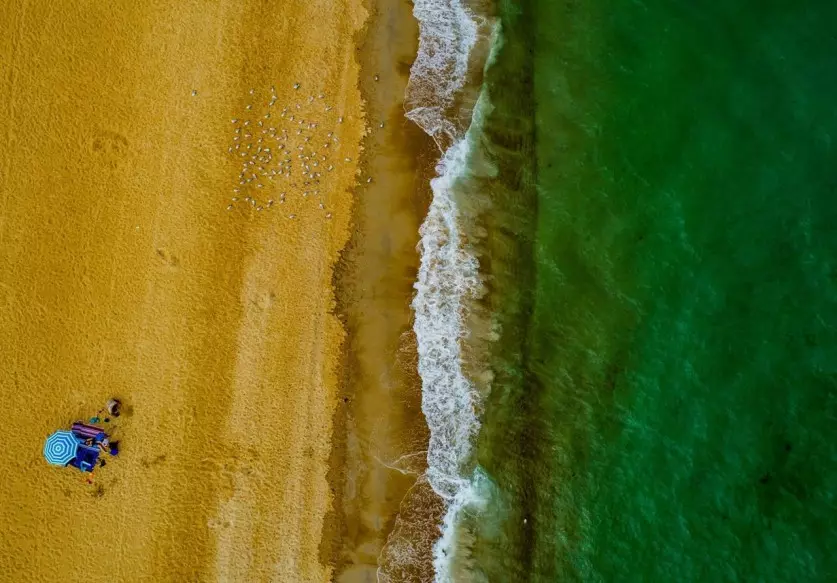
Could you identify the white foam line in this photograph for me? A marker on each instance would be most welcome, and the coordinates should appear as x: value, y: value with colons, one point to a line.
x: 448, y: 276
x: 448, y: 279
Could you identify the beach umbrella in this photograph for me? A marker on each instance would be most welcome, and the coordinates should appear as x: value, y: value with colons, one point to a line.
x: 60, y: 447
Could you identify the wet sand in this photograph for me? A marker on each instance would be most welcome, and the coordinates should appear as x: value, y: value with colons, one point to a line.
x: 380, y: 432
x: 123, y: 273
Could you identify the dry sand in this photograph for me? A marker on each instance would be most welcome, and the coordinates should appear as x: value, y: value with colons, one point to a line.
x: 123, y: 273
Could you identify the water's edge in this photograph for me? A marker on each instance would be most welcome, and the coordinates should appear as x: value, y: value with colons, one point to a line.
x: 441, y: 98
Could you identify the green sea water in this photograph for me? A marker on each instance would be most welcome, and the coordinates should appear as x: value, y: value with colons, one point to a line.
x: 663, y: 261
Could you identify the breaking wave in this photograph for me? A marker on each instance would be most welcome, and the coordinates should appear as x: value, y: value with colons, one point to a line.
x: 448, y: 278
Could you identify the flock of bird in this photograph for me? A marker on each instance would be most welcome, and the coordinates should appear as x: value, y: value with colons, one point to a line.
x: 286, y: 152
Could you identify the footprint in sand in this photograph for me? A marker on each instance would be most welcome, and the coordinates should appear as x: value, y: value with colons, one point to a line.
x: 169, y: 260
x: 111, y: 148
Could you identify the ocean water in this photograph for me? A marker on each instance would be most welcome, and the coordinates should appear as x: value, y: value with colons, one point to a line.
x: 627, y: 305
x: 660, y: 264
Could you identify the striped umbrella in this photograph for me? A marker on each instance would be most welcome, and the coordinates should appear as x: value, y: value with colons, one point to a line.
x: 60, y: 447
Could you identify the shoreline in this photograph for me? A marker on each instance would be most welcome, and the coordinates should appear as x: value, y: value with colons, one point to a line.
x: 380, y: 438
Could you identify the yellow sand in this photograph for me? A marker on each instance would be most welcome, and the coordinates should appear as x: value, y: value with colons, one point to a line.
x: 123, y: 273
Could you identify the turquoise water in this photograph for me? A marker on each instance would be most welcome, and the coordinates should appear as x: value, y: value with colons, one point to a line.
x: 662, y: 262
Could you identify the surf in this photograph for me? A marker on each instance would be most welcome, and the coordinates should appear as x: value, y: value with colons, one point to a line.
x: 448, y: 283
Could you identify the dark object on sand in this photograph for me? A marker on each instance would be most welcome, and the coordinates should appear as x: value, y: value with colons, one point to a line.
x: 113, y: 407
x: 86, y: 458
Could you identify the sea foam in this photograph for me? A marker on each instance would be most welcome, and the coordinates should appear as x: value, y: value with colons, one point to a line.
x: 447, y: 35
x: 448, y: 278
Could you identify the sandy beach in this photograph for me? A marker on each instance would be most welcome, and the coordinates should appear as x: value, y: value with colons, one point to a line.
x: 123, y: 272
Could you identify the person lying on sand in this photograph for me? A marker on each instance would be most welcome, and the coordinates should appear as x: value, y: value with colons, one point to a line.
x: 110, y: 448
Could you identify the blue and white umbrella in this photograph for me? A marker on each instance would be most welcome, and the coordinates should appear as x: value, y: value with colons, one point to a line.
x: 60, y: 447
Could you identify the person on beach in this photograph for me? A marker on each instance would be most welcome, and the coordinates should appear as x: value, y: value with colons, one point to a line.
x: 113, y: 407
x: 109, y: 447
